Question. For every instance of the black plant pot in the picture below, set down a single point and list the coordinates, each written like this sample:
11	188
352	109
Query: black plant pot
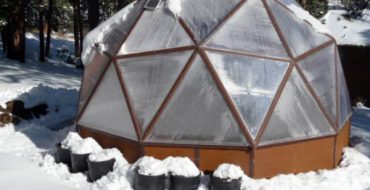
79	162
224	184
99	169
63	155
184	183
146	182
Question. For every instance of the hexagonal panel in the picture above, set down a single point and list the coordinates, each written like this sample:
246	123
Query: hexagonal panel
296	115
197	113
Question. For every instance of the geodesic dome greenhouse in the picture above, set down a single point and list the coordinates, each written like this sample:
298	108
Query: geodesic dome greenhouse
256	83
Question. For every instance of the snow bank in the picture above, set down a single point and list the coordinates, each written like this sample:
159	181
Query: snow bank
148	165
228	171
305	15
347	31
107	154
181	166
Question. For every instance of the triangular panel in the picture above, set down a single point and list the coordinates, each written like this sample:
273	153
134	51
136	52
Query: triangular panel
157	29
296	115
300	36
148	80
107	110
203	16
197	113
319	70
92	73
249	29
345	108
251	83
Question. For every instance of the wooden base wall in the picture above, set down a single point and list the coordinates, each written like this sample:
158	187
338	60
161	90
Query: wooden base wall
264	162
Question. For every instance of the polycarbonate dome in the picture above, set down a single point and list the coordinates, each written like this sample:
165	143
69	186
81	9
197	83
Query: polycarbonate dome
220	72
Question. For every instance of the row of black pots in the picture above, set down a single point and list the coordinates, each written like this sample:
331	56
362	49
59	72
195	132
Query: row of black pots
162	182
81	163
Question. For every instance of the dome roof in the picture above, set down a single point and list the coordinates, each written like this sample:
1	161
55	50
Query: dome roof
213	72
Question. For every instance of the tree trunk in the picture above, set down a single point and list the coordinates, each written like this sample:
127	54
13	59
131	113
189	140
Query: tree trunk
80	26
122	3
21	28
93	13
75	27
41	34
50	14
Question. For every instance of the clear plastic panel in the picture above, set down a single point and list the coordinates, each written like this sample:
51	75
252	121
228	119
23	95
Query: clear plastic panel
107	110
251	30
251	83
296	115
197	113
156	29
345	108
92	73
111	33
300	36
202	16
148	80
319	70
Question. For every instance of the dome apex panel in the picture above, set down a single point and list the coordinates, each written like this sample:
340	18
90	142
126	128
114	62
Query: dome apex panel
148	79
251	83
156	29
296	116
249	29
107	110
319	70
300	36
197	113
203	16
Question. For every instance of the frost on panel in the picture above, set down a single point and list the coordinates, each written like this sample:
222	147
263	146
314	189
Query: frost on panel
319	70
157	29
249	29
197	113
300	36
202	16
251	83
92	73
107	111
148	80
110	34
296	115
345	109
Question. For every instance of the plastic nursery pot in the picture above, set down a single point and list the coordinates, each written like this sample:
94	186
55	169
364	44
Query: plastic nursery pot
63	155
79	162
147	182
184	183
99	169
224	184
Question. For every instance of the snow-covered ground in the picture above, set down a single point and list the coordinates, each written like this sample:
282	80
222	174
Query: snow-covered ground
347	31
57	84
